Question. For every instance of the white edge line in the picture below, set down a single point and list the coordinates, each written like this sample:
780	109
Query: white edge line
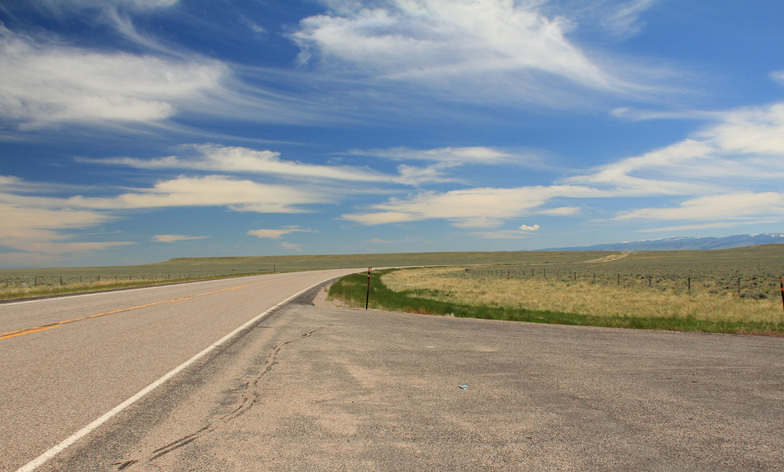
40	460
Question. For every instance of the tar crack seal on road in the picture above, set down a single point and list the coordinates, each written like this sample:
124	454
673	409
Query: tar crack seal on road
249	398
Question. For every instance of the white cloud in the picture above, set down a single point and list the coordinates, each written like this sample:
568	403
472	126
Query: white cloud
680	228
778	76
743	149
290	246
559	211
730	170
211	190
448	156
734	206
49	225
242	160
35	225
475	49
472	208
48	83
443	161
623	19
754	130
173	238
529	228
278	233
636	114
61	6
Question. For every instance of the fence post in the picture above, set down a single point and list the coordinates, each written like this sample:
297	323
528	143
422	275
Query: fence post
367	298
738	286
781	281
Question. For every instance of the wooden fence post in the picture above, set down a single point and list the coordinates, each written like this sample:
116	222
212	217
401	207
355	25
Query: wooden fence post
781	282
367	298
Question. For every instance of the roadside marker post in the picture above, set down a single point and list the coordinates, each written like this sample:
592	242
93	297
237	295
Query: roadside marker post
781	282
367	298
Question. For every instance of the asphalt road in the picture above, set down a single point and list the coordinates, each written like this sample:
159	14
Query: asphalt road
323	388
68	361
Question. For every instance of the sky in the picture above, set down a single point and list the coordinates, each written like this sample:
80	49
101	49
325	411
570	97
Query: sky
134	131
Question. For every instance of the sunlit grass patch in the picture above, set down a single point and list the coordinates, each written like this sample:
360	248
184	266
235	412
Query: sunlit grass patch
445	291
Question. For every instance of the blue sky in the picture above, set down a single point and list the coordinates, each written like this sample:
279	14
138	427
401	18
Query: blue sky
132	131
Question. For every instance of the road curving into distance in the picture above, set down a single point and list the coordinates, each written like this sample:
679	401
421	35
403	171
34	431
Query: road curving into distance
71	363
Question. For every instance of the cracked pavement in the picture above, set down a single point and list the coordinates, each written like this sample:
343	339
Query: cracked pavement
330	388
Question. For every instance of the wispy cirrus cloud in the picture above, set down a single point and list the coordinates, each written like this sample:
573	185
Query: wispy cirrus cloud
47	83
472	50
242	160
442	161
210	190
778	76
723	207
450	156
621	19
472	208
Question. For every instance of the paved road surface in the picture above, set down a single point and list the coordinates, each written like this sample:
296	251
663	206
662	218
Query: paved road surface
319	388
67	361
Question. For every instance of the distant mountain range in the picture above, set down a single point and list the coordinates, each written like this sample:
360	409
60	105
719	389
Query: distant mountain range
670	244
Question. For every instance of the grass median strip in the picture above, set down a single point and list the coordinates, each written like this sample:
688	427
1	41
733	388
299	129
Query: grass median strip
426	291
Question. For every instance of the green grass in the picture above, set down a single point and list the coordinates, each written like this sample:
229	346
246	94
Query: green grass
353	290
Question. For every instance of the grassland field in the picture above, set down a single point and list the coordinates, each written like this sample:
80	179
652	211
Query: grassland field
726	291
18	283
641	284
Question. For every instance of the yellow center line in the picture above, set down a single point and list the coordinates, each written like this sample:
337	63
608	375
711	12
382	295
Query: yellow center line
36	329
27	331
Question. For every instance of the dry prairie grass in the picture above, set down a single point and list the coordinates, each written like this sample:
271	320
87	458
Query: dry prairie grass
584	298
